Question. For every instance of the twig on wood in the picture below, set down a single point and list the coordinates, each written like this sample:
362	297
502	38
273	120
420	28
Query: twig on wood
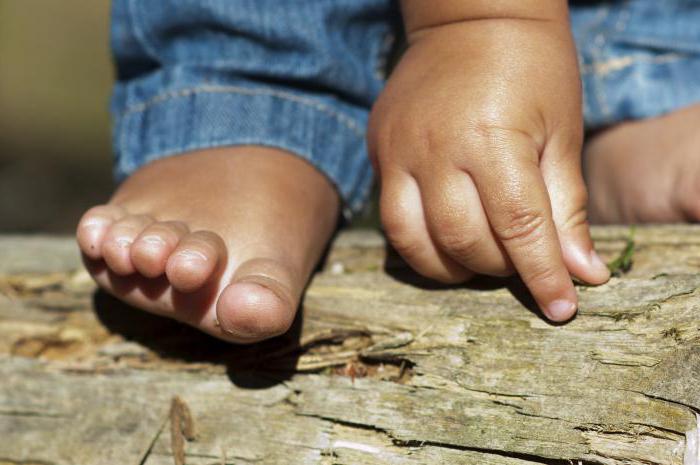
181	428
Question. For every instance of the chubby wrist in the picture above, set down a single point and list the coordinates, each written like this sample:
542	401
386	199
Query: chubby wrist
422	16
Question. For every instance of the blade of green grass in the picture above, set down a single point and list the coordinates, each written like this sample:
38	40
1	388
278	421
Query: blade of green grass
623	263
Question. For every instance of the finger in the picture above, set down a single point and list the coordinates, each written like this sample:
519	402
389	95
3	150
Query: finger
517	205
561	170
405	226
457	222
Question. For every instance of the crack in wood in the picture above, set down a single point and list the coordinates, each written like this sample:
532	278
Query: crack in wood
9	461
33	413
415	443
642	430
692	408
489	379
152	443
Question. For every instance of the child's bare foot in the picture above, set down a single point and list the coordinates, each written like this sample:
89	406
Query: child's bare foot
646	171
222	239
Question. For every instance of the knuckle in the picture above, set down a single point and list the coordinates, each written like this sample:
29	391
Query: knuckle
580	197
427	142
576	218
399	233
521	225
487	131
459	243
499	140
406	246
491	134
540	276
437	140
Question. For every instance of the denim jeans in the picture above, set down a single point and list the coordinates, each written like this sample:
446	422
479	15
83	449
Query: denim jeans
301	75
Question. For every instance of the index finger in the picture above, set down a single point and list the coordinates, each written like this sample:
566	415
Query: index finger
518	207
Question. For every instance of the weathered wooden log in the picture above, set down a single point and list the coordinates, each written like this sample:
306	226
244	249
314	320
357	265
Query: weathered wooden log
380	367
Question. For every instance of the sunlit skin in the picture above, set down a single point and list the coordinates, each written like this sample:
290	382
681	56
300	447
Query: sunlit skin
222	239
476	142
646	171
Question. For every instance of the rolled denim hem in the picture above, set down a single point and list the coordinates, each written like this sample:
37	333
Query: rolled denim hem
210	116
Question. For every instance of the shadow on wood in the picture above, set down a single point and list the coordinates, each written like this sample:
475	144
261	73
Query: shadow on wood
381	368
247	366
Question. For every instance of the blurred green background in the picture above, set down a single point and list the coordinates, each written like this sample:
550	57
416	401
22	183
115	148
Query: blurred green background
55	80
55	84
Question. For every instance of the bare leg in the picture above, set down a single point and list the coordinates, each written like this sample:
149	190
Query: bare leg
646	171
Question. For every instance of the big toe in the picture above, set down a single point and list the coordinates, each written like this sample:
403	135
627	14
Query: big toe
260	302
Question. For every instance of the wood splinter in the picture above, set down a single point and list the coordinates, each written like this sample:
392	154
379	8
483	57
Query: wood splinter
181	428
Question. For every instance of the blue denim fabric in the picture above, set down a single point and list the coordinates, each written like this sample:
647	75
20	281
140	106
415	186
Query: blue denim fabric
301	75
638	58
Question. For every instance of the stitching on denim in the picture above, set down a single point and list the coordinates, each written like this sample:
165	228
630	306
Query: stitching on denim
601	42
603	68
161	98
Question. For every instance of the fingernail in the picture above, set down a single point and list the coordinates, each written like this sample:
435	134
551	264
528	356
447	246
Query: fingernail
560	310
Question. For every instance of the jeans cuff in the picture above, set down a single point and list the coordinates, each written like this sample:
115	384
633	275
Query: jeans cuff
208	116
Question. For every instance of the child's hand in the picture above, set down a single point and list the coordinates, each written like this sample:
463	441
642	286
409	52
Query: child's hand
477	141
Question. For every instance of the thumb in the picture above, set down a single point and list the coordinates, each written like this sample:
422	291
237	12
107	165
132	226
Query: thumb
561	170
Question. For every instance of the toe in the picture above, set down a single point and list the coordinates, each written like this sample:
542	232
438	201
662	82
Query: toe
93	226
260	302
195	260
151	249
116	247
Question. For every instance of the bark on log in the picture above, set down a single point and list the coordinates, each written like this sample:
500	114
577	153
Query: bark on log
381	367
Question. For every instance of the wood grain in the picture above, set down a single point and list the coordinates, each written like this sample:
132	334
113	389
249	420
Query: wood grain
381	367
